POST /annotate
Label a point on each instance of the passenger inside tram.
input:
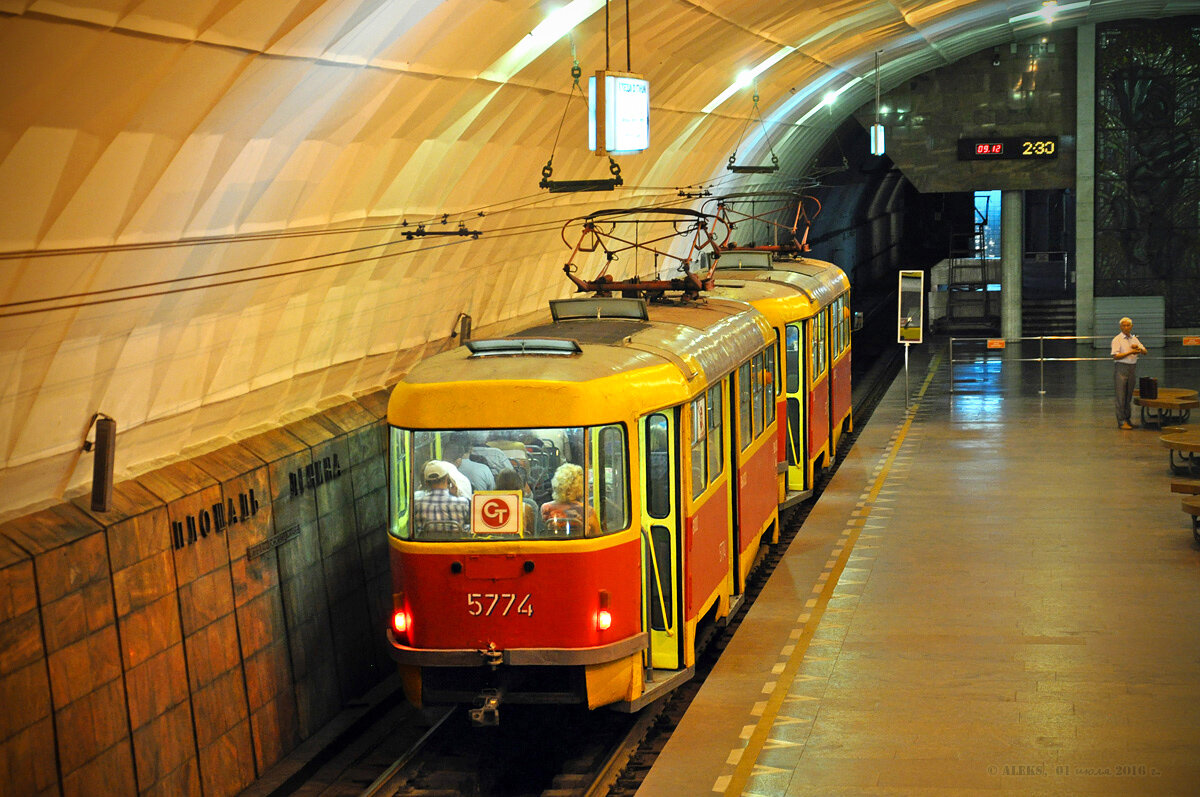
(565, 514)
(438, 511)
(511, 480)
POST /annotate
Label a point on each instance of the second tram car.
(651, 446)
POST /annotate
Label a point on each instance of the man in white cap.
(438, 510)
(1125, 350)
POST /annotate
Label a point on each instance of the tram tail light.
(604, 616)
(401, 622)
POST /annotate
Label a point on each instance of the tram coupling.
(491, 656)
(486, 713)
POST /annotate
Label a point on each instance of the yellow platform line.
(754, 745)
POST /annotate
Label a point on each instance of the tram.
(641, 441)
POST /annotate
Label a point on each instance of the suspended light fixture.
(877, 144)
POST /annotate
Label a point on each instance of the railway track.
(543, 751)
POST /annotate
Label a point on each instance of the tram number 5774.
(485, 604)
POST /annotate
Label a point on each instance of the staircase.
(1047, 317)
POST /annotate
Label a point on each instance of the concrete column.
(1085, 181)
(1012, 253)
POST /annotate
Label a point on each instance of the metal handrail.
(1042, 359)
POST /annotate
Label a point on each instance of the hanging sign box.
(618, 113)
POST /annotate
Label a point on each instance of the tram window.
(745, 415)
(792, 366)
(834, 329)
(841, 324)
(844, 323)
(759, 389)
(658, 467)
(399, 473)
(778, 372)
(593, 499)
(769, 409)
(795, 441)
(662, 593)
(715, 436)
(699, 447)
(818, 344)
(612, 499)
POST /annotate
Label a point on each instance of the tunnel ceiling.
(212, 209)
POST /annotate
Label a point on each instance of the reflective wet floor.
(997, 592)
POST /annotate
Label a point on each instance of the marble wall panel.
(26, 725)
(142, 571)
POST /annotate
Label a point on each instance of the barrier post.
(1042, 364)
(951, 365)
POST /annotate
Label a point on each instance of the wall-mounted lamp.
(105, 446)
(463, 332)
(996, 57)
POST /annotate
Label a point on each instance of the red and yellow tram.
(807, 303)
(654, 444)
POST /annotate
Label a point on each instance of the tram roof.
(820, 281)
(623, 367)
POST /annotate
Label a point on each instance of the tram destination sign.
(1023, 148)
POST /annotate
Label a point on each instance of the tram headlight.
(603, 616)
(400, 622)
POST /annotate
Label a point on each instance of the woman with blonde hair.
(564, 515)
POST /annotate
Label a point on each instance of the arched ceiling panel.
(209, 210)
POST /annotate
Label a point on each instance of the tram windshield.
(451, 485)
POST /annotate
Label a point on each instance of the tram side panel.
(707, 557)
(758, 456)
(818, 398)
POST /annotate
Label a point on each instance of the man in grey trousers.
(1125, 350)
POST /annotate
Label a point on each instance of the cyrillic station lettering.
(311, 476)
(213, 520)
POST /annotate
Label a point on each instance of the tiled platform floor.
(997, 592)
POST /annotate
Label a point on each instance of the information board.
(911, 320)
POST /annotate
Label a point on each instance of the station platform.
(997, 592)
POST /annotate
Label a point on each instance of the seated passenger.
(480, 475)
(437, 512)
(511, 480)
(494, 458)
(460, 485)
(564, 515)
(518, 459)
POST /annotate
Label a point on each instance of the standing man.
(458, 452)
(1125, 350)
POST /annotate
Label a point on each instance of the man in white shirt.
(1125, 350)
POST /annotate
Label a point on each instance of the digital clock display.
(1023, 148)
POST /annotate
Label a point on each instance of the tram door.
(662, 550)
(797, 438)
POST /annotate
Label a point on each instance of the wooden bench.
(1191, 505)
(1183, 452)
(1172, 405)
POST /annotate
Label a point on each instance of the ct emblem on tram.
(496, 512)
